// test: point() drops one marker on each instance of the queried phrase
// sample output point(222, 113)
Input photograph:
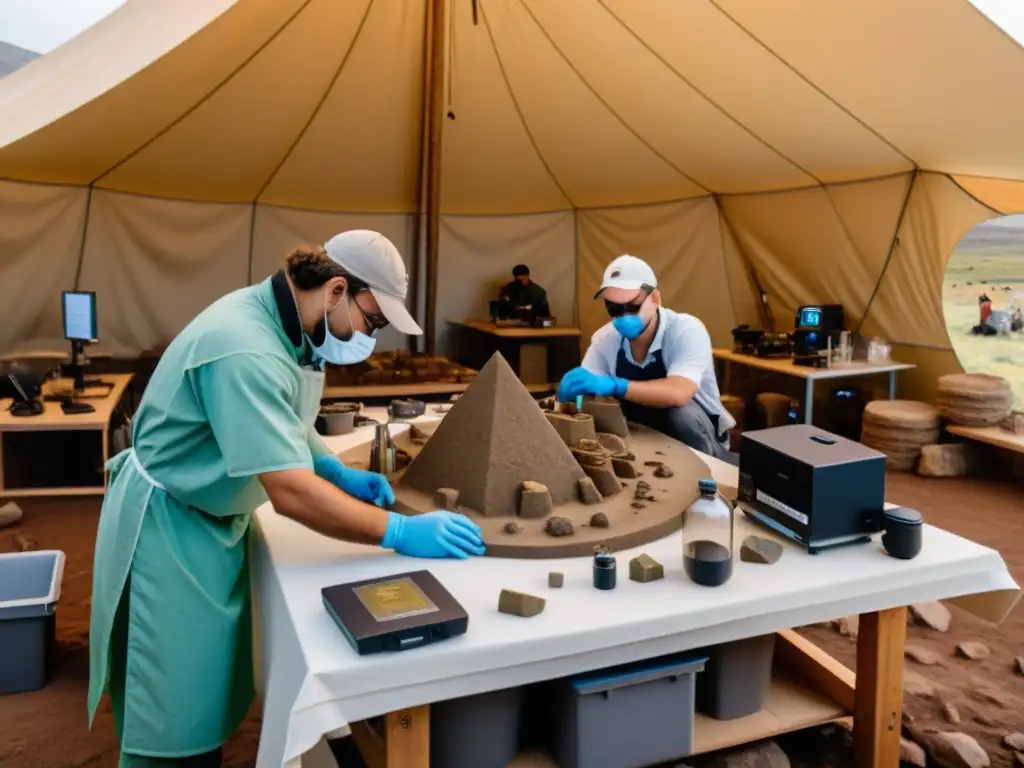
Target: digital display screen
point(79, 316)
point(395, 599)
point(810, 317)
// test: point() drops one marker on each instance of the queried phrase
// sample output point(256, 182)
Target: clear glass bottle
point(708, 537)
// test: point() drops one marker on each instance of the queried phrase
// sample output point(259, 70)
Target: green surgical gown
point(230, 400)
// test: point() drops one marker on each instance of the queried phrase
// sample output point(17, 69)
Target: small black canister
point(604, 569)
point(903, 534)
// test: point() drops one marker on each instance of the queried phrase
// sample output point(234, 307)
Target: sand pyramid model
point(494, 438)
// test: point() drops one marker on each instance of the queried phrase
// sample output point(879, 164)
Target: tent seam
point(622, 121)
point(319, 105)
point(736, 121)
point(762, 295)
point(85, 234)
point(892, 250)
point(813, 85)
point(180, 118)
point(975, 198)
point(725, 264)
point(518, 108)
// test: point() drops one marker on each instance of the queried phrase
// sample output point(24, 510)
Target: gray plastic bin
point(654, 697)
point(29, 591)
point(738, 676)
point(479, 731)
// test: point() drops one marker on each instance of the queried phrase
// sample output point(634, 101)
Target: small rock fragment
point(599, 520)
point(26, 543)
point(917, 685)
point(957, 750)
point(613, 443)
point(973, 650)
point(951, 713)
point(759, 550)
point(1020, 665)
point(637, 504)
point(535, 500)
point(652, 463)
point(446, 498)
point(911, 753)
point(10, 514)
point(623, 468)
point(1018, 759)
point(767, 754)
point(921, 655)
point(588, 491)
point(659, 453)
point(588, 445)
point(511, 528)
point(934, 615)
point(1014, 741)
point(644, 568)
point(849, 626)
point(558, 526)
point(663, 471)
point(556, 580)
point(520, 603)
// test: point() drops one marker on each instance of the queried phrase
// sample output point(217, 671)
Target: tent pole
point(434, 120)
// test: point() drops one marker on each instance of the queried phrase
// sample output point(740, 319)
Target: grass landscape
point(990, 260)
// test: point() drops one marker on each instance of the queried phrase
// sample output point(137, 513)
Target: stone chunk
point(957, 750)
point(446, 498)
point(1014, 741)
point(973, 650)
point(943, 460)
point(623, 468)
point(951, 713)
point(911, 753)
point(556, 580)
point(758, 550)
point(572, 427)
point(1020, 665)
point(520, 603)
point(535, 500)
point(511, 528)
point(644, 568)
point(559, 526)
point(662, 471)
point(934, 615)
point(607, 415)
point(613, 443)
point(10, 514)
point(604, 478)
point(849, 626)
point(588, 491)
point(599, 520)
point(921, 655)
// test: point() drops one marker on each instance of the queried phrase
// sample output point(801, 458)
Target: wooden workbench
point(539, 356)
point(58, 454)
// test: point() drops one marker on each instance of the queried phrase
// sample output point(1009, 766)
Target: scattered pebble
point(559, 526)
point(957, 750)
point(1015, 741)
point(849, 626)
point(599, 520)
point(1018, 759)
point(662, 471)
point(10, 514)
point(25, 543)
point(637, 505)
point(911, 753)
point(921, 655)
point(934, 615)
point(511, 528)
point(759, 550)
point(1020, 665)
point(917, 685)
point(973, 650)
point(652, 463)
point(951, 713)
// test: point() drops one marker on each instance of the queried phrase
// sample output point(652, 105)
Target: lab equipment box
point(29, 590)
point(627, 716)
point(737, 678)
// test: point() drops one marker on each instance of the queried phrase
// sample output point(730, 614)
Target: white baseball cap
point(628, 272)
point(372, 258)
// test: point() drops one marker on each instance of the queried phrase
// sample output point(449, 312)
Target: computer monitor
point(80, 316)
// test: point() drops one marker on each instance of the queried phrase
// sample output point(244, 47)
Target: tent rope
point(85, 234)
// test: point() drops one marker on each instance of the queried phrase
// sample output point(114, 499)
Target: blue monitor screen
point(79, 315)
point(810, 317)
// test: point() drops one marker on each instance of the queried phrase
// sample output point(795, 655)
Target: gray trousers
point(692, 426)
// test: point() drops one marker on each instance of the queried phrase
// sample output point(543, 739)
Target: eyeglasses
point(629, 308)
point(374, 321)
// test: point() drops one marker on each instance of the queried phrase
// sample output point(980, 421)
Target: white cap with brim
point(629, 273)
point(372, 258)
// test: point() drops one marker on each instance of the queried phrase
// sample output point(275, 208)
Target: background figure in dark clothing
point(523, 296)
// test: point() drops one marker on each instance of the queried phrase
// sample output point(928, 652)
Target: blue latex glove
point(365, 486)
point(434, 534)
point(580, 381)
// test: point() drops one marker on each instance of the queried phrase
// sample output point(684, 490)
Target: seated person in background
point(656, 361)
point(522, 297)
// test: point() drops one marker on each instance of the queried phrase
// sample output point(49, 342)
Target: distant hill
point(1005, 234)
point(12, 57)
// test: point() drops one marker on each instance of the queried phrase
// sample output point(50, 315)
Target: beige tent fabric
point(1001, 196)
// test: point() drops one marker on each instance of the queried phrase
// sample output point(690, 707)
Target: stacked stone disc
point(974, 399)
point(900, 429)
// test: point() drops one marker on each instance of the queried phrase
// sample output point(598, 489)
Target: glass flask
point(708, 537)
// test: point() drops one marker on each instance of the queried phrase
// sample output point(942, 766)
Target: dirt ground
point(49, 729)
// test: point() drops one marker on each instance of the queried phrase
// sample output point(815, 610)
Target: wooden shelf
point(21, 493)
point(996, 436)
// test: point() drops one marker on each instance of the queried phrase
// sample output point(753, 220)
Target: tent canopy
point(816, 151)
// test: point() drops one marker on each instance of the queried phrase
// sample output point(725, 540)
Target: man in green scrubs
point(226, 423)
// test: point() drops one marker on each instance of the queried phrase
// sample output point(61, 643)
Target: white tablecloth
point(314, 684)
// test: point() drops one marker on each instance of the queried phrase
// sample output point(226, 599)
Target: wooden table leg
point(878, 701)
point(405, 744)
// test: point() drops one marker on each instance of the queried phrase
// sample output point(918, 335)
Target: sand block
point(588, 492)
point(759, 550)
point(623, 468)
point(446, 498)
point(10, 514)
point(556, 580)
point(572, 428)
point(520, 603)
point(604, 478)
point(645, 568)
point(607, 415)
point(945, 460)
point(535, 500)
point(957, 749)
point(612, 443)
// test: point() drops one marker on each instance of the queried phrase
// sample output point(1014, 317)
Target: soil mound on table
point(494, 438)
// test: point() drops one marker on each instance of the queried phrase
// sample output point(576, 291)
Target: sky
point(42, 25)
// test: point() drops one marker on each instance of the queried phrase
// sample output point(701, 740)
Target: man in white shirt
point(656, 361)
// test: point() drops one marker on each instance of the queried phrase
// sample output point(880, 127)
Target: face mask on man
point(353, 350)
point(629, 324)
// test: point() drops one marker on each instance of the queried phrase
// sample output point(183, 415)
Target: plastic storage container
point(736, 680)
point(656, 699)
point(708, 537)
point(479, 731)
point(29, 591)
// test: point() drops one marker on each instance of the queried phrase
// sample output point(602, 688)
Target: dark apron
point(645, 414)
